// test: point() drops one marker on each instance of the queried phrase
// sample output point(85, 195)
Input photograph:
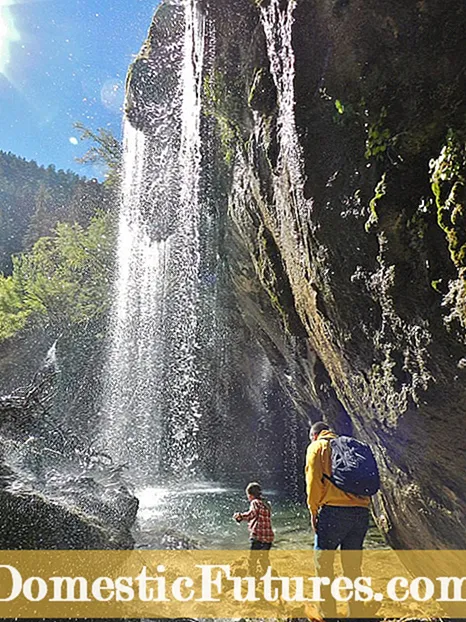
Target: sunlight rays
point(8, 33)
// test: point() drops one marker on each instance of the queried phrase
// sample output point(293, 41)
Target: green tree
point(33, 199)
point(14, 313)
point(106, 150)
point(63, 281)
point(42, 221)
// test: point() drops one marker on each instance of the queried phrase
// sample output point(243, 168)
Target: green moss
point(448, 183)
point(267, 274)
point(417, 224)
point(436, 285)
point(378, 138)
point(228, 137)
point(213, 89)
point(220, 103)
point(346, 114)
point(379, 192)
point(339, 106)
point(129, 103)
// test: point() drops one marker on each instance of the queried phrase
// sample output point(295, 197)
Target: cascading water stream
point(294, 209)
point(131, 394)
point(278, 26)
point(151, 402)
point(184, 398)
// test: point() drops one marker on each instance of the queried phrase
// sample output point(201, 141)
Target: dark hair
point(254, 489)
point(319, 427)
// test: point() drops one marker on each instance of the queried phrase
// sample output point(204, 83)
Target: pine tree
point(42, 221)
point(106, 150)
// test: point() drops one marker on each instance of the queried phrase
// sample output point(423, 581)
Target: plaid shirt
point(259, 521)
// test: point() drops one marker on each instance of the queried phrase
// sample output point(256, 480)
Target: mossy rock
point(263, 95)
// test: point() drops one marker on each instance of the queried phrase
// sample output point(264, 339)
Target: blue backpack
point(354, 468)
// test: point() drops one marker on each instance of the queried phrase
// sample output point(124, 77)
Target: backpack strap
point(329, 477)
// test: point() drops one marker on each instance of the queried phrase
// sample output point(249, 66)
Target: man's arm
point(314, 475)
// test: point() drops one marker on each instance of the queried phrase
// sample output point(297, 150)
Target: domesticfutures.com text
point(216, 582)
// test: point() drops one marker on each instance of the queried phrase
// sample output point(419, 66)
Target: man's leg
point(351, 551)
point(331, 530)
point(358, 523)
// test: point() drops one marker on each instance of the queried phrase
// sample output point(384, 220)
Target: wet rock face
point(342, 202)
point(152, 80)
point(336, 201)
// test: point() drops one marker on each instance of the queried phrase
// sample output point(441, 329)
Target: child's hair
point(254, 489)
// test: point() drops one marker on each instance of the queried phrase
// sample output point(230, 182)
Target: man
point(339, 518)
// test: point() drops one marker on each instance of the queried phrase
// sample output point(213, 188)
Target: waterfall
point(294, 210)
point(151, 404)
point(278, 27)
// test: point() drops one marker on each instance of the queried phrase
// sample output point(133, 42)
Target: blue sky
point(63, 61)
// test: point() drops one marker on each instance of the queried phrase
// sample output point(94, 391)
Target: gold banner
point(231, 584)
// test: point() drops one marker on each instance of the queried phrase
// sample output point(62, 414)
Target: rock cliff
point(334, 139)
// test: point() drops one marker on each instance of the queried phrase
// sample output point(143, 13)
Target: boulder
point(74, 513)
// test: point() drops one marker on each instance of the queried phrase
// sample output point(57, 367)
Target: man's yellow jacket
point(320, 491)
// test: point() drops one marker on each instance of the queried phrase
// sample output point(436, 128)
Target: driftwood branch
point(24, 419)
point(20, 410)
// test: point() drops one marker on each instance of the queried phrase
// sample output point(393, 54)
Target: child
point(259, 525)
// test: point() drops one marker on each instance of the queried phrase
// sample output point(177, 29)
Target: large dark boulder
point(69, 513)
point(56, 491)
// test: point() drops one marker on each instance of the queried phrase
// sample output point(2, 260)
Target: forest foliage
point(63, 280)
point(57, 236)
point(33, 199)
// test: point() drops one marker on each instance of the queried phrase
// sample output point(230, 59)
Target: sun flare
point(8, 34)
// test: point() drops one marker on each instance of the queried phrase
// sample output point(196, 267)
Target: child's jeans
point(259, 553)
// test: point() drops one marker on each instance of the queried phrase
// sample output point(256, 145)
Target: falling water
point(278, 25)
point(277, 22)
point(151, 406)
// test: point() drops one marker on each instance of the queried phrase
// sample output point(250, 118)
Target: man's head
point(316, 429)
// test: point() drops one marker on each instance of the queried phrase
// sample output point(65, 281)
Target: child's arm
point(251, 513)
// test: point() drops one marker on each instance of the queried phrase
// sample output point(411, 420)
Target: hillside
point(33, 199)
